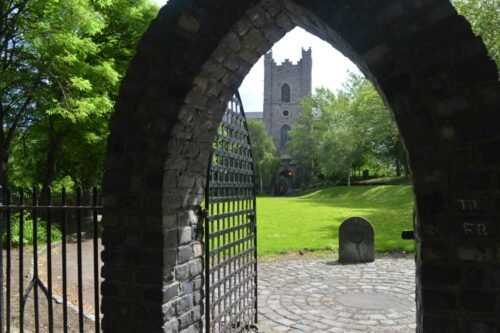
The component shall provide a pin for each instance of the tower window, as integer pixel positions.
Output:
(284, 136)
(286, 113)
(285, 93)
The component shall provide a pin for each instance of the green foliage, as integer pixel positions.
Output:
(73, 54)
(264, 154)
(483, 16)
(312, 221)
(28, 228)
(344, 131)
(339, 152)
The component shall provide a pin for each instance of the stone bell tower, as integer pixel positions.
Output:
(284, 87)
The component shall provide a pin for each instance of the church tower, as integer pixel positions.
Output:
(284, 87)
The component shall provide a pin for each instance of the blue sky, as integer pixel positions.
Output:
(329, 69)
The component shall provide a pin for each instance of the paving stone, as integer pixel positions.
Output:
(303, 296)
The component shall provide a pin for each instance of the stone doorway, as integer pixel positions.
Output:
(285, 182)
(434, 75)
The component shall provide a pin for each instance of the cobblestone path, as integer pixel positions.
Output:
(325, 296)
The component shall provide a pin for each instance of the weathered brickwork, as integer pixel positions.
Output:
(432, 71)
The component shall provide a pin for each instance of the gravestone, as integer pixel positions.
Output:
(356, 241)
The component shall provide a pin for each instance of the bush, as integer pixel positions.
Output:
(27, 237)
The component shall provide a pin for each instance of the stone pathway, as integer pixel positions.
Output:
(325, 296)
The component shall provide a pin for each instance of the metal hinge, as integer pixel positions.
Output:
(202, 219)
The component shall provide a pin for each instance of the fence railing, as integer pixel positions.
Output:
(49, 263)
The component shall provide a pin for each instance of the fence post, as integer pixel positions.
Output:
(1, 262)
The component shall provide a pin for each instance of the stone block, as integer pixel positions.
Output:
(195, 267)
(184, 303)
(434, 299)
(185, 235)
(170, 238)
(168, 311)
(186, 287)
(182, 272)
(490, 152)
(479, 278)
(439, 325)
(171, 327)
(170, 291)
(356, 241)
(476, 326)
(430, 204)
(472, 180)
(184, 254)
(440, 276)
(477, 253)
(478, 301)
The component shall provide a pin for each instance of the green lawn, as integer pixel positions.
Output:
(312, 221)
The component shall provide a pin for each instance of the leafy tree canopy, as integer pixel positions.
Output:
(264, 154)
(350, 129)
(61, 64)
(483, 16)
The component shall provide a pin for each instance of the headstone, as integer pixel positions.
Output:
(356, 241)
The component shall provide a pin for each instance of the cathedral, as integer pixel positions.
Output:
(285, 85)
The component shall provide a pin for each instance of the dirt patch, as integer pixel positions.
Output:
(87, 272)
(12, 302)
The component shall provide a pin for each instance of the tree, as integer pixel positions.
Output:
(79, 51)
(338, 132)
(19, 80)
(312, 123)
(339, 152)
(264, 154)
(371, 122)
(483, 16)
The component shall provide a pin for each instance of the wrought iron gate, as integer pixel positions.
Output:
(230, 228)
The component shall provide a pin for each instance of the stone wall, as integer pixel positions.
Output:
(423, 58)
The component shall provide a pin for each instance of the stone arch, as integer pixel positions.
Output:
(285, 93)
(434, 75)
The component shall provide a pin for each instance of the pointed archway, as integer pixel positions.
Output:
(434, 75)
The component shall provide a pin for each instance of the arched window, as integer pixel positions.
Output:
(285, 93)
(284, 136)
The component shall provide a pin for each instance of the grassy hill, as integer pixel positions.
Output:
(311, 222)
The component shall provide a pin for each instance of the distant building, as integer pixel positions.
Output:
(284, 87)
(258, 115)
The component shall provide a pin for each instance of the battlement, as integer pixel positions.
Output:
(287, 64)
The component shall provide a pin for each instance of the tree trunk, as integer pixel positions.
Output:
(312, 172)
(398, 167)
(406, 167)
(4, 166)
(260, 180)
(4, 151)
(55, 143)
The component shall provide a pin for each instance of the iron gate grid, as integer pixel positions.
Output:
(230, 229)
(72, 214)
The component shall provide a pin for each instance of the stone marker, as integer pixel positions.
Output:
(356, 241)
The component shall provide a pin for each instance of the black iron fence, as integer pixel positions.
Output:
(49, 263)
